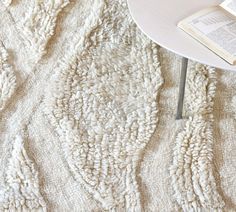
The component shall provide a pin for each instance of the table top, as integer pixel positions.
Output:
(158, 20)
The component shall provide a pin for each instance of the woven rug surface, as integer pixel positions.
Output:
(87, 116)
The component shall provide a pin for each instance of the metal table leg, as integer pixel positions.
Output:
(182, 88)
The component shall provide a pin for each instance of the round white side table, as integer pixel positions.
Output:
(158, 20)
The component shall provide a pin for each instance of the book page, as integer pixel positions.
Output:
(230, 6)
(218, 26)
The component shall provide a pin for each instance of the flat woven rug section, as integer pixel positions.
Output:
(87, 116)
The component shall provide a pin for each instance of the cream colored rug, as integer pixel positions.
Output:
(87, 107)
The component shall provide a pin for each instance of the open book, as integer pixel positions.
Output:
(215, 27)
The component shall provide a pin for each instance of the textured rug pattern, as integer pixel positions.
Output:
(103, 106)
(192, 169)
(87, 107)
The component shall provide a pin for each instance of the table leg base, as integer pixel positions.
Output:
(182, 83)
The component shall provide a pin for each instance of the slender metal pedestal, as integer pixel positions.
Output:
(182, 88)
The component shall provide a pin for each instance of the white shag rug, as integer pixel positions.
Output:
(87, 107)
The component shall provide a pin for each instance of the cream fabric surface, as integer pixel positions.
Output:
(87, 106)
(155, 174)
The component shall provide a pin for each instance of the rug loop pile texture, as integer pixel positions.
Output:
(81, 115)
